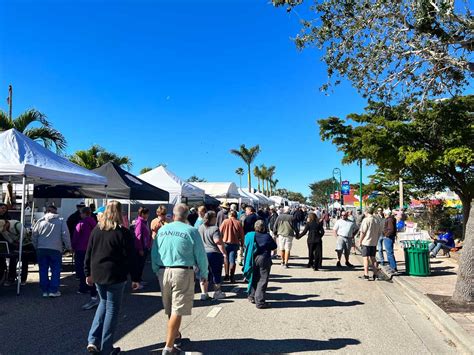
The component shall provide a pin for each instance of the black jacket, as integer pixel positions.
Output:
(315, 232)
(111, 256)
(249, 222)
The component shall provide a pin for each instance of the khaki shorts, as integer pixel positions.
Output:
(177, 290)
(285, 242)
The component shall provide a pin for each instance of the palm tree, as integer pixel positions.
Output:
(145, 170)
(240, 172)
(43, 133)
(248, 155)
(271, 173)
(264, 176)
(97, 156)
(258, 174)
(273, 184)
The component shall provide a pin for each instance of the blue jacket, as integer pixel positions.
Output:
(250, 250)
(448, 238)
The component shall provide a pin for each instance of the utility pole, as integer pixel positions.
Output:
(10, 101)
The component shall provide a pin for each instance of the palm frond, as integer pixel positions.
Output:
(48, 136)
(22, 122)
(5, 122)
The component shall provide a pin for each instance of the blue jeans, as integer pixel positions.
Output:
(388, 244)
(436, 247)
(231, 251)
(380, 257)
(216, 262)
(49, 259)
(105, 320)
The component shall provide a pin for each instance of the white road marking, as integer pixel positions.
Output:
(214, 312)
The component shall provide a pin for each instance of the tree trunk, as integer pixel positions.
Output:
(240, 176)
(250, 178)
(464, 291)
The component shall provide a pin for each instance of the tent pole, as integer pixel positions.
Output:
(129, 211)
(32, 211)
(22, 221)
(106, 195)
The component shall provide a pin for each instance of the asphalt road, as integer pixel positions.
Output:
(330, 310)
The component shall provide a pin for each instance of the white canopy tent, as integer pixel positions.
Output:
(279, 201)
(178, 189)
(266, 200)
(24, 161)
(247, 196)
(219, 190)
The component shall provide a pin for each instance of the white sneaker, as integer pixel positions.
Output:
(218, 295)
(45, 294)
(55, 294)
(204, 297)
(94, 302)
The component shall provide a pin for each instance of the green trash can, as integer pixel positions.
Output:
(417, 257)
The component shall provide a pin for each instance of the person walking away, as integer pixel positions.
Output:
(222, 214)
(271, 223)
(159, 221)
(344, 232)
(380, 219)
(142, 240)
(176, 249)
(75, 218)
(233, 237)
(285, 228)
(327, 219)
(389, 236)
(193, 216)
(215, 250)
(110, 258)
(201, 212)
(358, 220)
(250, 218)
(369, 236)
(50, 237)
(315, 231)
(261, 245)
(79, 242)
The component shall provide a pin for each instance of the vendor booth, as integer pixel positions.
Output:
(24, 161)
(179, 190)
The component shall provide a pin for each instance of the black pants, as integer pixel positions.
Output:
(141, 261)
(29, 257)
(261, 273)
(315, 251)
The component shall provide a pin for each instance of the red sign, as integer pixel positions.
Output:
(336, 195)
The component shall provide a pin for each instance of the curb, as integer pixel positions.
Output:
(438, 316)
(441, 319)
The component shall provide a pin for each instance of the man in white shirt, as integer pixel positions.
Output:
(344, 232)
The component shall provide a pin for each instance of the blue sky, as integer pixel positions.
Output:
(176, 82)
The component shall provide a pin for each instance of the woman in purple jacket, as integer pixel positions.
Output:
(79, 242)
(142, 240)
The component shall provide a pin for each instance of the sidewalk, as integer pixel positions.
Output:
(439, 286)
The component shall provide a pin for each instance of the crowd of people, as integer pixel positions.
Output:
(195, 244)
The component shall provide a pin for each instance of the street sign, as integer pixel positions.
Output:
(346, 188)
(336, 195)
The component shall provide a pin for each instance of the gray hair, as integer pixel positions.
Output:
(181, 211)
(260, 226)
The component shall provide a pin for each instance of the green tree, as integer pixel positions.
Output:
(270, 181)
(320, 191)
(240, 172)
(433, 146)
(392, 50)
(248, 155)
(296, 196)
(145, 170)
(273, 184)
(36, 126)
(195, 178)
(97, 156)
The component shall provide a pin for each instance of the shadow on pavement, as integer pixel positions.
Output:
(287, 297)
(255, 346)
(315, 303)
(303, 279)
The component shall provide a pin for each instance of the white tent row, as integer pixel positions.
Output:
(178, 189)
(24, 161)
(219, 190)
(280, 201)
